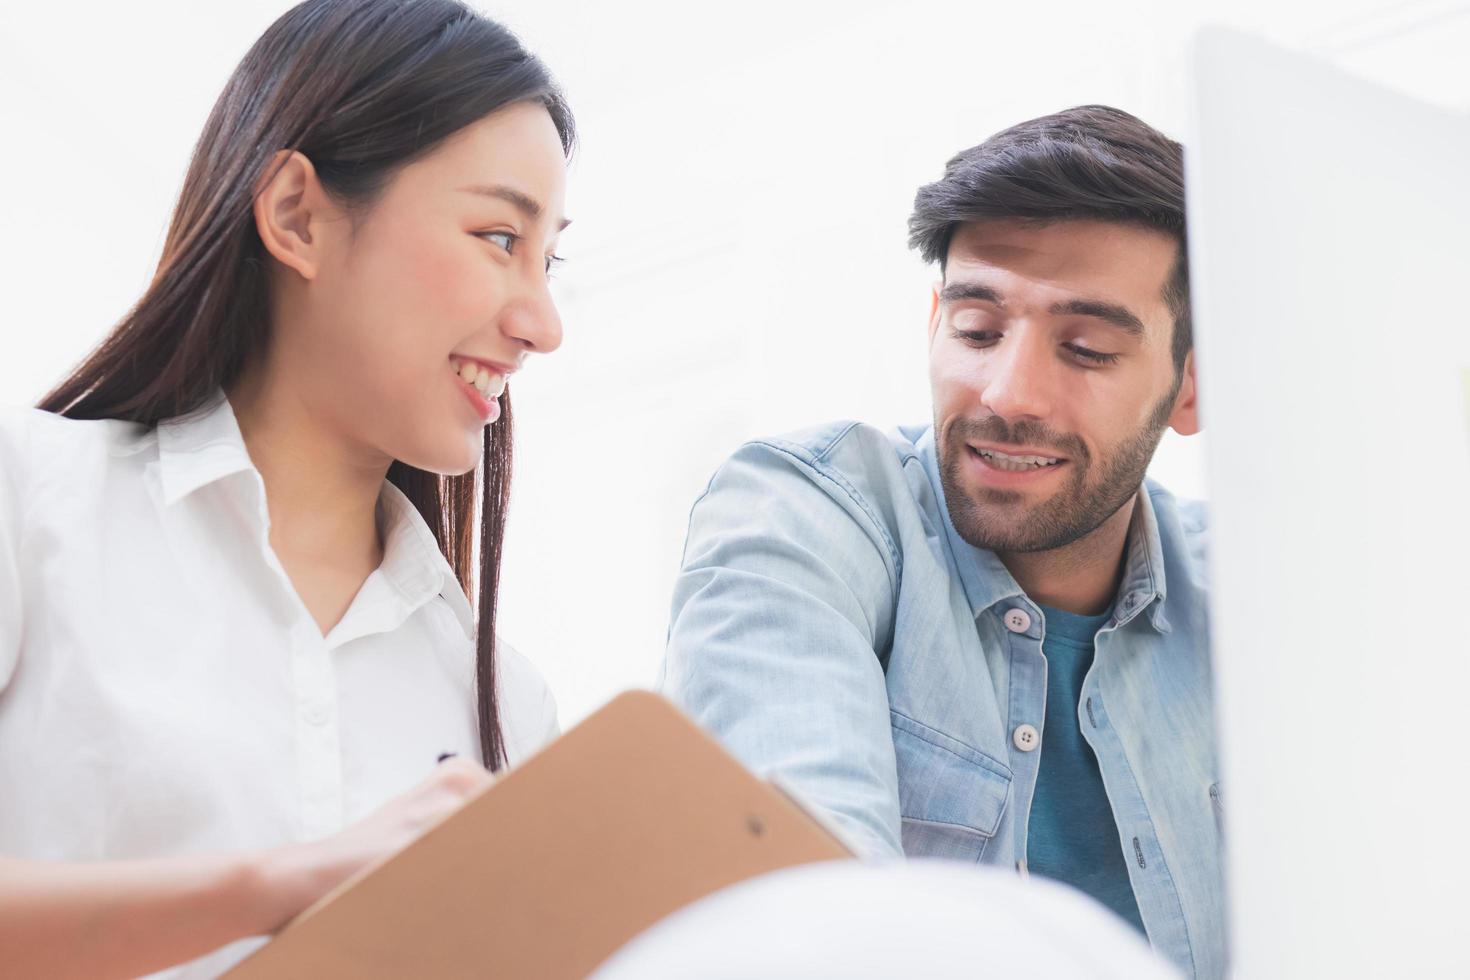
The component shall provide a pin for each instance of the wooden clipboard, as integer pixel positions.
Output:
(632, 814)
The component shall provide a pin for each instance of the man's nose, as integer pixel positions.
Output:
(1021, 379)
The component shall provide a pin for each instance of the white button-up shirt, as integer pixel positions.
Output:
(163, 689)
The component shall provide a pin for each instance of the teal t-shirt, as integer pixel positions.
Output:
(1073, 837)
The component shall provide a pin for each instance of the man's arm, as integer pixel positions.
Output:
(784, 599)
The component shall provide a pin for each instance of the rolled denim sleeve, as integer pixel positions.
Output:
(783, 602)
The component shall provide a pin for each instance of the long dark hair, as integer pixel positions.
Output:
(361, 88)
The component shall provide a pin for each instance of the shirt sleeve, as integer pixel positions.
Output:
(12, 469)
(550, 726)
(781, 607)
(528, 708)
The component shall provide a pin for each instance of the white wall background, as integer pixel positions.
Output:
(737, 265)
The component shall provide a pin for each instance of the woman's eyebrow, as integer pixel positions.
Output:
(524, 203)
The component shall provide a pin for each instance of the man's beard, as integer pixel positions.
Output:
(1080, 507)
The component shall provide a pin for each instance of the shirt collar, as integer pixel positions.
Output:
(206, 445)
(199, 448)
(987, 581)
(1143, 586)
(412, 562)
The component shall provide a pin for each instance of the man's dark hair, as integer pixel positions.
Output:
(1092, 161)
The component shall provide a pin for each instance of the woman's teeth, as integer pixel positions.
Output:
(1015, 464)
(488, 383)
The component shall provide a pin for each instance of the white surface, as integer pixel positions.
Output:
(1330, 257)
(737, 262)
(850, 921)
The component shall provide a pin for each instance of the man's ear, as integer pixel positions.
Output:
(1185, 418)
(284, 218)
(934, 310)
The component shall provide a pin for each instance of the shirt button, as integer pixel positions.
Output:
(1026, 737)
(1017, 620)
(316, 714)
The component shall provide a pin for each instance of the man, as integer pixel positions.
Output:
(985, 639)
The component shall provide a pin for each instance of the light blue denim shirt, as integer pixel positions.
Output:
(832, 628)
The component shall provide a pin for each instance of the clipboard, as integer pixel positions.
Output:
(629, 816)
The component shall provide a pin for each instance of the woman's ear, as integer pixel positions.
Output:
(287, 211)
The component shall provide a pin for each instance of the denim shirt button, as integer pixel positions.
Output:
(1026, 737)
(1017, 620)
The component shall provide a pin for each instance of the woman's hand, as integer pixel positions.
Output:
(294, 878)
(125, 918)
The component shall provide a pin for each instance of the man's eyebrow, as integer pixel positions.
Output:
(524, 203)
(954, 292)
(1119, 316)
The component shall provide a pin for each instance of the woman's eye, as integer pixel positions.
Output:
(552, 261)
(504, 239)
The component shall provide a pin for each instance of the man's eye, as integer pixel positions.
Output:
(978, 338)
(504, 239)
(1093, 356)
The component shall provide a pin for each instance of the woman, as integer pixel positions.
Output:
(237, 544)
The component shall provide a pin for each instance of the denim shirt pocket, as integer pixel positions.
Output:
(951, 796)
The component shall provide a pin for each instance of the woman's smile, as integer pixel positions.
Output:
(482, 384)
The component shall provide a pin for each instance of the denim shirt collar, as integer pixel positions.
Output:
(987, 581)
